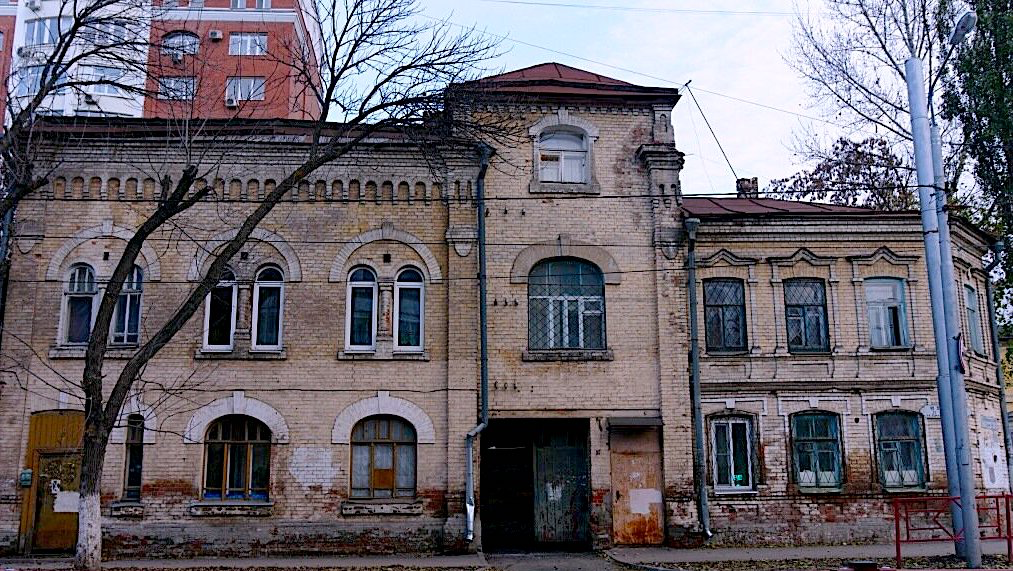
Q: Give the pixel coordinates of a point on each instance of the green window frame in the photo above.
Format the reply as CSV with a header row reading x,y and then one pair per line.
x,y
816,450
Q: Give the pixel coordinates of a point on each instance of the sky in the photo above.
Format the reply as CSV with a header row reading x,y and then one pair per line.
x,y
664,43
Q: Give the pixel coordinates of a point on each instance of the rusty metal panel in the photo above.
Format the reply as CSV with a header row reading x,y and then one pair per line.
x,y
637,484
55,432
561,486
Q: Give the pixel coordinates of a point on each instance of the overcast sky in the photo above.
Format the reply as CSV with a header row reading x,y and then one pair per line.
x,y
738,55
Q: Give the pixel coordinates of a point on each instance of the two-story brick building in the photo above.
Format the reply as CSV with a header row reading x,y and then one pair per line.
x,y
323,399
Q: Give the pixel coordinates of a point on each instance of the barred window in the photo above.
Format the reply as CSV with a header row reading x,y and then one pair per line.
x,y
901,456
383,458
724,314
566,305
237,459
127,315
805,307
817,449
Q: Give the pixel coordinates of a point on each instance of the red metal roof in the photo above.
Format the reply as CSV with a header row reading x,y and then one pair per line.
x,y
553,70
703,206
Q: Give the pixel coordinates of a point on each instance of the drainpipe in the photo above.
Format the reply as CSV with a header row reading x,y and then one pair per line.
x,y
484,152
997,250
699,466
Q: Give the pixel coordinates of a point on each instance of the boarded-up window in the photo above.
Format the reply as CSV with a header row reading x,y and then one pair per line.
x,y
383,458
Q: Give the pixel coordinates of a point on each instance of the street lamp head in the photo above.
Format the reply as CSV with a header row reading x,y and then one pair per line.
x,y
963,27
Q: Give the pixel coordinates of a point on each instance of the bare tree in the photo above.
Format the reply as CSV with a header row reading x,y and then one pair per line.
x,y
383,71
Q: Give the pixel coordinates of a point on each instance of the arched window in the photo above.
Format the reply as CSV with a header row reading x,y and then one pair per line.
x,y
562,157
900,448
127,315
237,459
220,314
360,311
178,44
134,457
268,298
566,305
816,447
409,310
79,302
383,458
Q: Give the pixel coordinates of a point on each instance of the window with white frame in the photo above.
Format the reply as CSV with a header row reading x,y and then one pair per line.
x,y
975,337
884,301
107,80
30,78
262,4
238,4
562,157
409,309
732,453
268,300
816,449
247,44
360,310
127,314
177,88
79,303
180,44
46,30
566,305
105,32
220,314
900,448
245,88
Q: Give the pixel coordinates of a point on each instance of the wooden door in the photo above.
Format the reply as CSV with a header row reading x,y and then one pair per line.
x,y
637,484
59,479
561,486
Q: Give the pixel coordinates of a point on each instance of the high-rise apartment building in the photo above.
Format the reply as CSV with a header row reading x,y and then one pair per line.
x,y
213,59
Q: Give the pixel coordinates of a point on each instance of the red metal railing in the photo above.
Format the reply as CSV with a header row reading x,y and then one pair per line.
x,y
926,519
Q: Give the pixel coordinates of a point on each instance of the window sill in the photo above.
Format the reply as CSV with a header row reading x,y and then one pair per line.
x,y
374,356
905,349
230,509
818,491
539,187
78,352
241,355
911,490
568,355
816,353
373,507
735,353
126,509
727,493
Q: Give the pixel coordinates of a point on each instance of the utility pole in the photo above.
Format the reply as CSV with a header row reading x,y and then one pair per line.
x,y
930,231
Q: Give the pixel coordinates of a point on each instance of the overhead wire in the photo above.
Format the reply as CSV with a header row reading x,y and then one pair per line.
x,y
640,9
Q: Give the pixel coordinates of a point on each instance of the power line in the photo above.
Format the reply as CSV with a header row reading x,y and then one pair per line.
x,y
713,134
639,9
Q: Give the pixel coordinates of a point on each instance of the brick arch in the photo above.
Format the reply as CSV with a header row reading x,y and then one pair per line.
x,y
197,427
564,247
387,231
293,269
152,267
383,403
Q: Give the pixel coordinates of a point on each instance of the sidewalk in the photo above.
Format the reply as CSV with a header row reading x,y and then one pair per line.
x,y
324,562
648,555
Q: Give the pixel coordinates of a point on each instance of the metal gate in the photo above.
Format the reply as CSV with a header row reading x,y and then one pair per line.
x,y
561,486
637,508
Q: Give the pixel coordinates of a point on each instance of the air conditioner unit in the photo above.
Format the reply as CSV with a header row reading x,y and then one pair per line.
x,y
33,5
231,102
216,35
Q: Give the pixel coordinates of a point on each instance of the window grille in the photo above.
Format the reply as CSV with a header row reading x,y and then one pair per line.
x,y
724,315
805,304
901,457
566,305
817,449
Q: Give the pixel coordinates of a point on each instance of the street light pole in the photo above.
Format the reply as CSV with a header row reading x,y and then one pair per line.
x,y
930,231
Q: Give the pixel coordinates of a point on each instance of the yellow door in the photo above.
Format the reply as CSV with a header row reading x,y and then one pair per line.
x,y
57,502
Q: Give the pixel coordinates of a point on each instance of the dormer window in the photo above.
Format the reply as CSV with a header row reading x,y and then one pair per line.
x,y
562,157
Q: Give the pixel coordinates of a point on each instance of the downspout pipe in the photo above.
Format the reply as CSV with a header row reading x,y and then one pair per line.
x,y
484,153
699,466
997,250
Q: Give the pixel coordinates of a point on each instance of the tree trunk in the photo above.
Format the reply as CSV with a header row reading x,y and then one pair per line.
x,y
89,515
